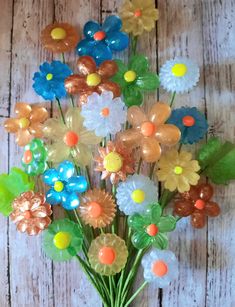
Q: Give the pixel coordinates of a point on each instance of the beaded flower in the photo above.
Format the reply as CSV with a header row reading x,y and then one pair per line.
x,y
49,81
197,203
59,37
104,114
115,161
135,194
151,228
31,213
192,124
97,208
34,158
62,240
64,186
108,254
71,139
160,267
101,40
28,122
178,171
135,78
179,75
138,16
149,131
91,78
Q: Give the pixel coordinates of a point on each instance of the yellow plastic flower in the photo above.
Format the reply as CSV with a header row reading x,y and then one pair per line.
x,y
70,139
138,16
178,170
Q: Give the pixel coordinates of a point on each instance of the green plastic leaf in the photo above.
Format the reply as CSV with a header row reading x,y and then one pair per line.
x,y
132,96
166,223
11,186
148,82
139,64
161,241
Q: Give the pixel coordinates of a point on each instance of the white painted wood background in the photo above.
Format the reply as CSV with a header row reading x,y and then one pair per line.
x,y
201,29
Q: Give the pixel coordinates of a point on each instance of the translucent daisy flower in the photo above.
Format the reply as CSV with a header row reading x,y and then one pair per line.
x,y
160,267
108,254
135,194
97,208
104,114
179,75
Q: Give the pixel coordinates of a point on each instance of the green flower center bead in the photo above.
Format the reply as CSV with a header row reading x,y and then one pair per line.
x,y
62,240
138,196
178,170
179,70
58,186
49,77
130,76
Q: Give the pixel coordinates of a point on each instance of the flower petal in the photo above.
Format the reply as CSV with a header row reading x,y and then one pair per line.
x,y
135,116
85,47
22,109
12,125
58,152
82,154
50,176
198,219
36,130
77,184
23,137
148,81
150,149
166,223
130,137
76,84
90,28
117,41
161,241
136,222
53,197
89,138
101,52
139,63
141,240
212,209
110,87
205,191
107,69
183,208
66,170
154,213
168,134
54,129
74,120
38,114
112,23
132,96
159,113
70,201
86,65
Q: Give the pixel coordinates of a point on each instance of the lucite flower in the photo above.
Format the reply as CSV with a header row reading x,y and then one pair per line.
x,y
101,40
62,240
59,37
71,140
65,187
197,203
28,122
49,81
135,78
149,131
104,114
34,158
138,16
92,79
191,122
108,254
97,208
31,213
135,194
151,228
178,171
160,267
115,161
179,75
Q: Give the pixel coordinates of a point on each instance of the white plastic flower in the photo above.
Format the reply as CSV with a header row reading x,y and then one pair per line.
x,y
104,114
179,75
135,194
160,267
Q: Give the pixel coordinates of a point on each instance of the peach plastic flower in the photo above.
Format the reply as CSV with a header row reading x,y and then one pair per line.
x,y
97,208
149,130
28,122
138,16
178,171
69,140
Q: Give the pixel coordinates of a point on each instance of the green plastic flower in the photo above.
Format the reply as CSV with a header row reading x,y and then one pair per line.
x,y
135,78
62,240
11,186
34,158
151,228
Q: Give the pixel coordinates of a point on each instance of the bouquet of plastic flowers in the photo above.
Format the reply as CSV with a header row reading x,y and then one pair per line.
x,y
117,222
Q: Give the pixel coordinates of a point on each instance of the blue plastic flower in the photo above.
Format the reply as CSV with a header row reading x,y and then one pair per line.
x,y
49,82
65,187
191,122
101,40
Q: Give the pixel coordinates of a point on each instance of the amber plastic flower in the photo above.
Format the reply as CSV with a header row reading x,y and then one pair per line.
x,y
91,78
28,122
108,254
70,139
178,171
149,130
59,37
115,161
197,203
31,213
138,16
97,208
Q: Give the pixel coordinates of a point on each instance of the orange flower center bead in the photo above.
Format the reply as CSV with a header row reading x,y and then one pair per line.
x,y
24,123
159,268
27,215
148,129
95,210
152,230
105,112
200,204
28,156
99,36
188,121
138,13
107,255
71,139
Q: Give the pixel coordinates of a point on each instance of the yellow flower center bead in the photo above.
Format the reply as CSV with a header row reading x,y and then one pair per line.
x,y
62,240
93,79
58,33
49,77
113,162
24,123
138,196
130,76
178,170
58,186
179,70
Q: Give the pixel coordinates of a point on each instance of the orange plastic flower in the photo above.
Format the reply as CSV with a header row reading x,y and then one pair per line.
x,y
97,208
59,37
91,78
31,213
138,16
149,130
28,122
115,161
